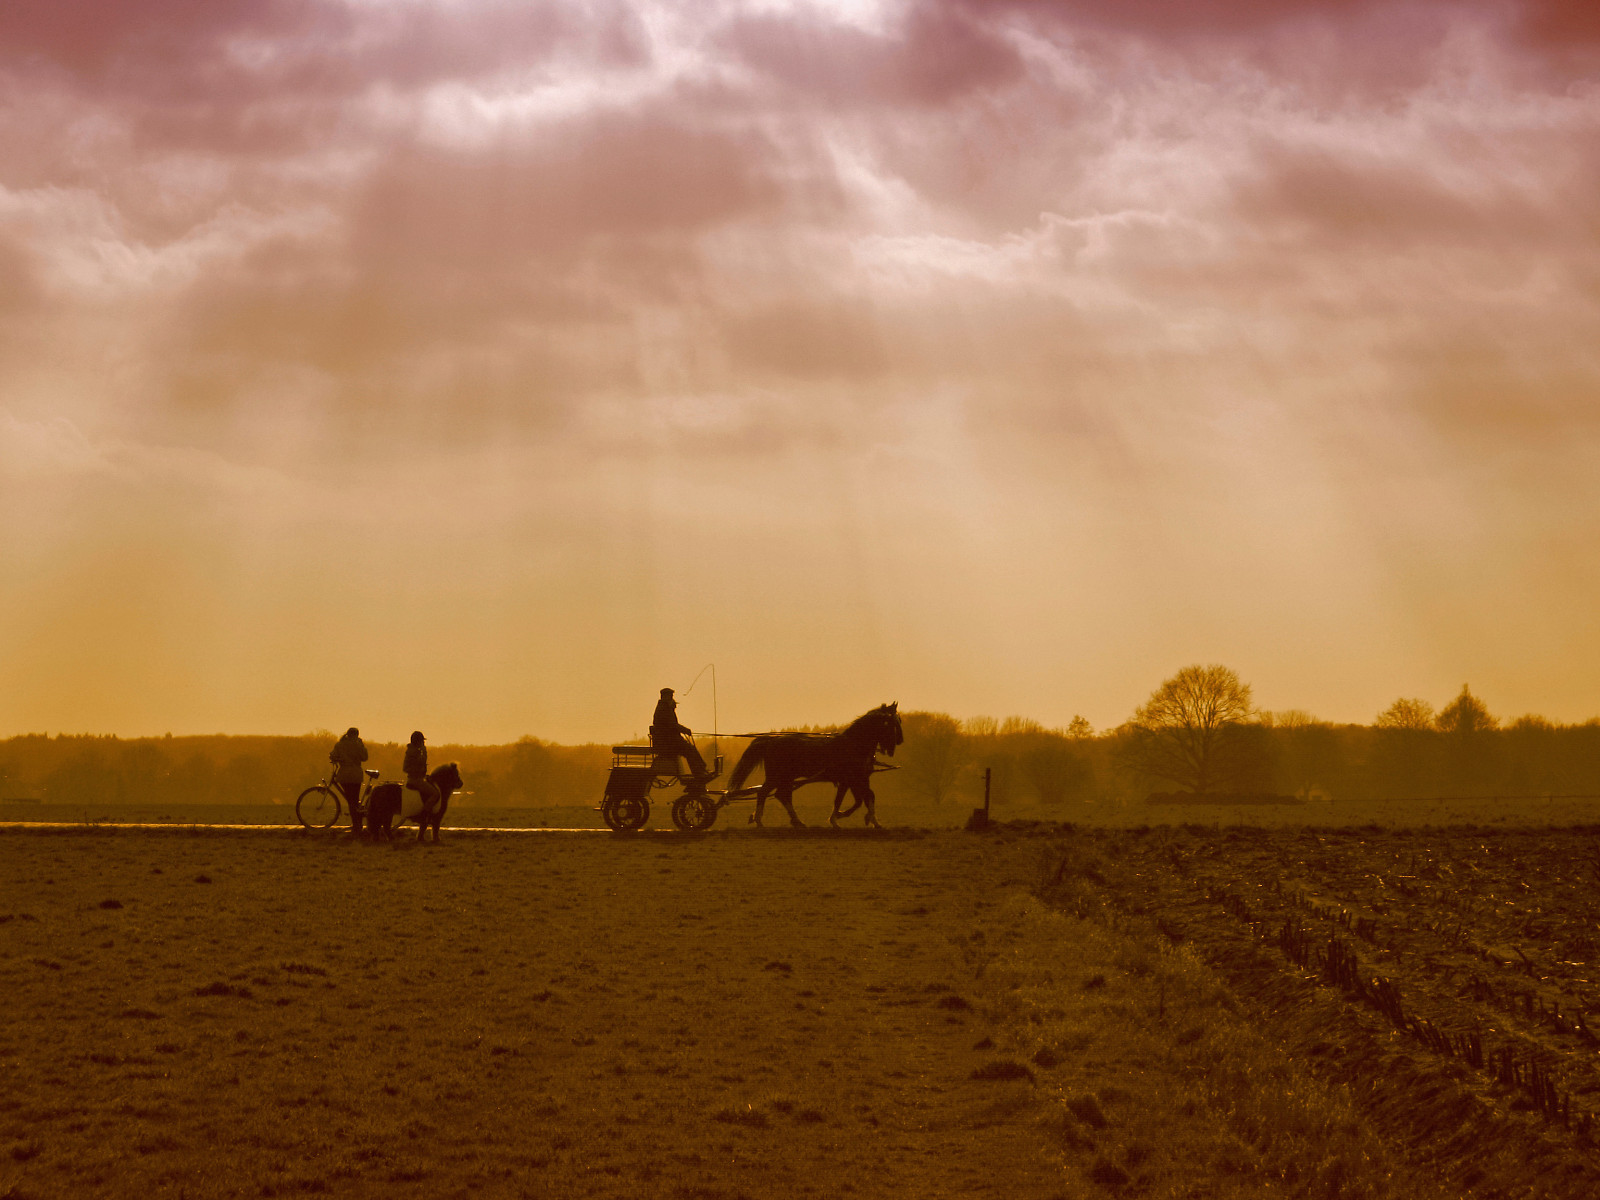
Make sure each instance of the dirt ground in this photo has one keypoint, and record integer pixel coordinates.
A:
(273, 1013)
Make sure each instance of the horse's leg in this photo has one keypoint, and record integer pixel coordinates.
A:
(444, 803)
(786, 795)
(761, 803)
(872, 805)
(838, 799)
(854, 787)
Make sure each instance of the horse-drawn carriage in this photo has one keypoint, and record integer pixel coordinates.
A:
(789, 760)
(636, 771)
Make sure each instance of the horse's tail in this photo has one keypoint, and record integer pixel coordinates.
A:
(752, 757)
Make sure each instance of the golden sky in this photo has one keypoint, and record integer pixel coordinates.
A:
(481, 366)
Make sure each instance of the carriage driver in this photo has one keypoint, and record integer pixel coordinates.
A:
(416, 769)
(669, 737)
(348, 754)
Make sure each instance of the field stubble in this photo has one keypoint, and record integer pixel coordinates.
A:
(269, 1014)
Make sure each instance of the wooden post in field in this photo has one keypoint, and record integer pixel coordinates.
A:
(979, 819)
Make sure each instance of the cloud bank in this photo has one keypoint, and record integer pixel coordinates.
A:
(492, 364)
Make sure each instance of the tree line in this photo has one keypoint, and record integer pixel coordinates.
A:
(1198, 732)
(224, 769)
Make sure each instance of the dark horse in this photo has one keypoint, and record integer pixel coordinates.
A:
(392, 803)
(844, 759)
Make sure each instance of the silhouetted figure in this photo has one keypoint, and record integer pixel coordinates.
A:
(667, 736)
(416, 769)
(348, 754)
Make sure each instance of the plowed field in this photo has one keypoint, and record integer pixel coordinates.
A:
(1449, 977)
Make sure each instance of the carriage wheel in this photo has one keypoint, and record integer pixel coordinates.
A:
(625, 814)
(694, 814)
(317, 807)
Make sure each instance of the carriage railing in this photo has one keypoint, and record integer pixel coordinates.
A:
(659, 761)
(633, 756)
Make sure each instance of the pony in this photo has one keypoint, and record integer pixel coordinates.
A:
(394, 804)
(845, 759)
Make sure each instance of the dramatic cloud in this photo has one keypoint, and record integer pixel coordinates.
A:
(503, 361)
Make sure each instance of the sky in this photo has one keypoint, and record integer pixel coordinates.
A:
(481, 366)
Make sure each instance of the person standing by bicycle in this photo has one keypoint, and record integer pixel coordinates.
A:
(348, 753)
(416, 769)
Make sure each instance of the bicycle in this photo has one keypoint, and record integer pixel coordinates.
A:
(321, 805)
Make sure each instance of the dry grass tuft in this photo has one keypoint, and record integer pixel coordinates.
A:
(1087, 1111)
(749, 1116)
(1108, 1175)
(1000, 1069)
(224, 989)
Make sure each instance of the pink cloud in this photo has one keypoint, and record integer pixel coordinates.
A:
(1558, 24)
(1157, 18)
(93, 37)
(186, 47)
(938, 56)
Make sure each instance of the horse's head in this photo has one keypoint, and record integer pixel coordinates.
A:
(892, 734)
(883, 725)
(446, 778)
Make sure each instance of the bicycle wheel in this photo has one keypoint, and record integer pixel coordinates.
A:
(318, 807)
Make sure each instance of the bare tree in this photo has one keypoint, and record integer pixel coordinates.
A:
(1466, 715)
(1406, 714)
(1191, 731)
